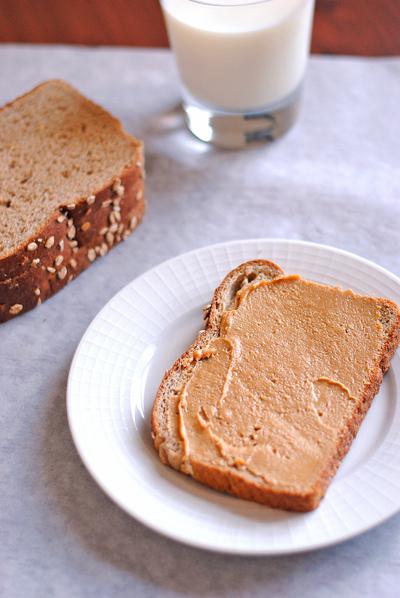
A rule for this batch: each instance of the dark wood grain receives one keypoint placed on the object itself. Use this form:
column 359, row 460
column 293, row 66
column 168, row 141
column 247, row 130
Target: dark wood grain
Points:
column 363, row 27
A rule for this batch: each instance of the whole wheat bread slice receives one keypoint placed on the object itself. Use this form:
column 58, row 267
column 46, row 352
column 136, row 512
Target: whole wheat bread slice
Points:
column 71, row 187
column 225, row 477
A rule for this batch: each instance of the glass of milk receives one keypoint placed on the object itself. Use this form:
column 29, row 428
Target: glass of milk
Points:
column 241, row 65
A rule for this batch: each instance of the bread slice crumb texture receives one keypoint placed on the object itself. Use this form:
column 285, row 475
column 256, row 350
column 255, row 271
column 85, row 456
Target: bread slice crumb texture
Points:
column 56, row 148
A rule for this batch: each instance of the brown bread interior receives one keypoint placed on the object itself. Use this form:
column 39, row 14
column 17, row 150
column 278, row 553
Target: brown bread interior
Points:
column 56, row 147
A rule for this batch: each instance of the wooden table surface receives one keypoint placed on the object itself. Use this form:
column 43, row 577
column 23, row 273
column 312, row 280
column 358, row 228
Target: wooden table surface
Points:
column 363, row 27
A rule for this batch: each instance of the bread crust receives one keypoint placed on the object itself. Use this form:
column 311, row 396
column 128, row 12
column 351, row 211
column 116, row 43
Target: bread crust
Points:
column 237, row 483
column 21, row 274
column 72, row 238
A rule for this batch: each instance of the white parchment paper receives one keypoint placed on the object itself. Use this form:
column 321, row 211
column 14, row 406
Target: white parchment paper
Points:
column 334, row 179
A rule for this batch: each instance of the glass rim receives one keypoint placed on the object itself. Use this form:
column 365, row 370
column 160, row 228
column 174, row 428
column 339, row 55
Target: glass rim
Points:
column 229, row 3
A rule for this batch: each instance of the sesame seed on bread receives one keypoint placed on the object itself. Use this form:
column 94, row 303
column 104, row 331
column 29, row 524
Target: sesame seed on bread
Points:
column 71, row 187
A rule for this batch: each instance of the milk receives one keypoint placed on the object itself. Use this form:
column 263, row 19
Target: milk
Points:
column 240, row 58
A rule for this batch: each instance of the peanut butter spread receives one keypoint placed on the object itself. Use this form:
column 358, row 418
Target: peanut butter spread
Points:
column 271, row 395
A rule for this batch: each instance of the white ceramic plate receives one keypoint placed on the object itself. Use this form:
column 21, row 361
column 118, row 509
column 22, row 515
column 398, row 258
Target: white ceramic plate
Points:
column 119, row 365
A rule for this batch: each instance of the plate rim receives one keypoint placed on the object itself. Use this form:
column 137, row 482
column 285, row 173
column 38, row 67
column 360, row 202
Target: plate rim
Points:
column 170, row 533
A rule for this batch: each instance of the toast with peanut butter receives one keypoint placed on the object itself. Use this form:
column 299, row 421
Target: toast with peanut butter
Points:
column 266, row 402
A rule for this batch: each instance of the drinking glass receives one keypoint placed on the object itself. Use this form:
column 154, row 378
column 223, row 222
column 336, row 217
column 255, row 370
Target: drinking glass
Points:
column 241, row 65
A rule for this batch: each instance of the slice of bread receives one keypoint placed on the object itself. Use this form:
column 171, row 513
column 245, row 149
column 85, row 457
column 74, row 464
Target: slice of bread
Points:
column 71, row 187
column 265, row 403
